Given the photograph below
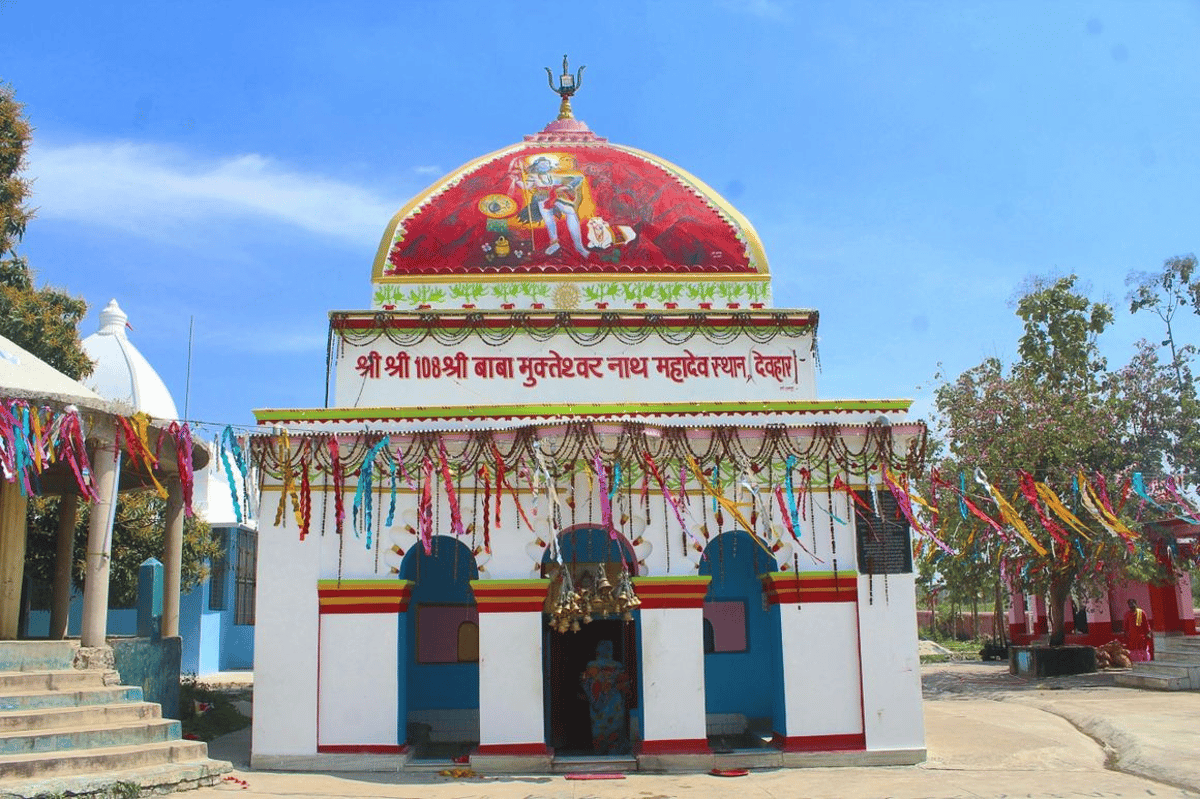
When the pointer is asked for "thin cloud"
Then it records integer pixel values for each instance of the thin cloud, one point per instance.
(156, 191)
(429, 170)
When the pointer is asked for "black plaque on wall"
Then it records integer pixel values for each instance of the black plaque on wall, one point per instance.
(883, 543)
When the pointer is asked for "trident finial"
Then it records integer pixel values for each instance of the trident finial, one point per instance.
(568, 84)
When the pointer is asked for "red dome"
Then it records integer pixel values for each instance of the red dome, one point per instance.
(565, 201)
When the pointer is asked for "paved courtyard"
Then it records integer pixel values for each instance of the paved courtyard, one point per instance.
(988, 734)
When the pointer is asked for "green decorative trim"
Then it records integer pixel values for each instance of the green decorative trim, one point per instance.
(333, 582)
(654, 293)
(468, 292)
(532, 582)
(672, 579)
(807, 575)
(610, 409)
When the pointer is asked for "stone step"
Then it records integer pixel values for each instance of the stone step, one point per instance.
(594, 764)
(1188, 645)
(1176, 637)
(77, 717)
(106, 760)
(1164, 668)
(1153, 682)
(1177, 658)
(62, 739)
(29, 681)
(37, 655)
(31, 700)
(152, 780)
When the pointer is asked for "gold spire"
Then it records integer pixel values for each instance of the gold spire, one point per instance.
(568, 84)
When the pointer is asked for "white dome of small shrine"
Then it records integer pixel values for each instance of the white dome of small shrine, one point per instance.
(123, 374)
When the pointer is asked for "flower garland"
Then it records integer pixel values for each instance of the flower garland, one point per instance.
(673, 328)
(467, 461)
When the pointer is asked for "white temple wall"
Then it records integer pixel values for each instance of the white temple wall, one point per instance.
(427, 373)
(815, 534)
(350, 551)
(511, 683)
(672, 664)
(285, 640)
(509, 560)
(822, 684)
(891, 664)
(358, 683)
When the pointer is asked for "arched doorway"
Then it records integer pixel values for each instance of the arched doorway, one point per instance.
(742, 646)
(441, 674)
(589, 554)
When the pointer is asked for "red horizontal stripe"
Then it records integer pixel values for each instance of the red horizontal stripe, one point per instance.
(675, 746)
(660, 603)
(529, 606)
(512, 749)
(481, 593)
(361, 749)
(848, 579)
(340, 594)
(366, 607)
(796, 598)
(657, 587)
(855, 741)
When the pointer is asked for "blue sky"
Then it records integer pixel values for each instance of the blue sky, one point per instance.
(907, 164)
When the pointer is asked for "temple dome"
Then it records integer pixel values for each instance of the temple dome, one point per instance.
(123, 374)
(612, 210)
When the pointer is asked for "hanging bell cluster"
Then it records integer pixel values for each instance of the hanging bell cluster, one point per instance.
(593, 597)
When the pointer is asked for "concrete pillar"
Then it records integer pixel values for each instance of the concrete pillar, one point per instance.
(286, 636)
(172, 557)
(821, 659)
(13, 505)
(149, 599)
(1187, 614)
(352, 721)
(1016, 615)
(512, 733)
(674, 724)
(64, 555)
(106, 470)
(1100, 627)
(886, 633)
(1040, 624)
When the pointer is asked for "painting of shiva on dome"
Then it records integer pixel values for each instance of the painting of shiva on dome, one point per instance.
(570, 208)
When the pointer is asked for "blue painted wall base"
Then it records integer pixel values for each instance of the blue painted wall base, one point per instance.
(154, 665)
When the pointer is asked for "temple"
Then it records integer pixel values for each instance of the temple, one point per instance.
(574, 497)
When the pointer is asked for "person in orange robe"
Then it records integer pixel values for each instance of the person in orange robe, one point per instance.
(1137, 633)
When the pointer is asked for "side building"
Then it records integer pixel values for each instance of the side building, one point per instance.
(216, 617)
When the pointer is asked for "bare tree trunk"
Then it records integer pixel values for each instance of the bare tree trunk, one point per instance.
(999, 623)
(1060, 592)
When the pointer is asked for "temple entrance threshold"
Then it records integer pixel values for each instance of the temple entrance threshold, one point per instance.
(567, 655)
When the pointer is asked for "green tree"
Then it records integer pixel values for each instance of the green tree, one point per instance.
(137, 535)
(43, 321)
(1164, 293)
(1055, 412)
